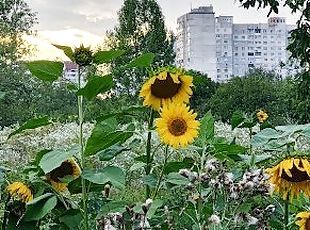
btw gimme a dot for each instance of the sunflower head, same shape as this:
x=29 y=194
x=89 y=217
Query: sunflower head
x=169 y=85
x=303 y=220
x=177 y=126
x=20 y=191
x=68 y=168
x=291 y=176
x=262 y=116
x=83 y=56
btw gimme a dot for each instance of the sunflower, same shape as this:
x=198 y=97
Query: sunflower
x=20 y=191
x=166 y=87
x=291 y=176
x=68 y=168
x=177 y=125
x=303 y=220
x=262 y=116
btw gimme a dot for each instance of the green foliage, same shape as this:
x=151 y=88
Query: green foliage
x=46 y=70
x=17 y=19
x=141 y=30
x=96 y=85
x=40 y=207
x=107 y=56
x=31 y=124
x=204 y=89
x=248 y=94
x=67 y=51
x=53 y=159
x=112 y=174
x=298 y=46
x=106 y=130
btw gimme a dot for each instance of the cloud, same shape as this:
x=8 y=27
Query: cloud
x=69 y=37
x=95 y=16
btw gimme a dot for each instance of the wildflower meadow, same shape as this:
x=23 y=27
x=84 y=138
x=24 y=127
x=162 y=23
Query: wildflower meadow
x=134 y=141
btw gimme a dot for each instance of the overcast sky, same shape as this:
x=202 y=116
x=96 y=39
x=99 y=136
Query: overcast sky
x=75 y=21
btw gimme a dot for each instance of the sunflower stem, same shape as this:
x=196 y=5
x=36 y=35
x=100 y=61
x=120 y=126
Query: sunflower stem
x=251 y=149
x=148 y=152
x=162 y=172
x=286 y=212
x=81 y=143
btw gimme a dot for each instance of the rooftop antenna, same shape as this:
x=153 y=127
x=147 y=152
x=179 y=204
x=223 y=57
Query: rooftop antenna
x=191 y=6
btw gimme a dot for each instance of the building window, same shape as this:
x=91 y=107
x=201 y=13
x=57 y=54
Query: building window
x=236 y=54
x=251 y=65
x=250 y=54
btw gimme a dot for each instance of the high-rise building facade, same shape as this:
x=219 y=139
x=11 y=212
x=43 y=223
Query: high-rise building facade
x=218 y=47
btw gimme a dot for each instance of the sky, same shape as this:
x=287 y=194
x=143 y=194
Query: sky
x=71 y=22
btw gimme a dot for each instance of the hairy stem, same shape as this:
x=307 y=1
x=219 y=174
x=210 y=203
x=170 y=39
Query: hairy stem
x=162 y=172
x=148 y=152
x=81 y=143
x=251 y=149
x=286 y=212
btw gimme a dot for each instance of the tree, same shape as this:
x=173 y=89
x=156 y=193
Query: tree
x=17 y=19
x=204 y=89
x=257 y=90
x=141 y=29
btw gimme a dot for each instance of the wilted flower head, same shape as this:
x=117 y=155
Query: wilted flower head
x=214 y=219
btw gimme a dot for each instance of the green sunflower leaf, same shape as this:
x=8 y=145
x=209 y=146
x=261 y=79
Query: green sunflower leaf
x=40 y=206
x=96 y=85
x=31 y=124
x=143 y=60
x=46 y=70
x=67 y=50
x=112 y=174
x=107 y=56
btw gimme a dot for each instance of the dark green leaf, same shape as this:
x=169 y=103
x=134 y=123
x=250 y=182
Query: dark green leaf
x=2 y=95
x=39 y=155
x=143 y=60
x=154 y=206
x=53 y=159
x=111 y=152
x=46 y=70
x=112 y=174
x=67 y=50
x=40 y=206
x=107 y=56
x=72 y=218
x=229 y=149
x=206 y=129
x=96 y=85
x=75 y=186
x=150 y=180
x=176 y=166
x=177 y=179
x=104 y=135
x=236 y=119
x=32 y=124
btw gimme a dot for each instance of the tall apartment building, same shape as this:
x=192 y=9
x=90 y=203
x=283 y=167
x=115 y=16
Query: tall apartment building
x=222 y=49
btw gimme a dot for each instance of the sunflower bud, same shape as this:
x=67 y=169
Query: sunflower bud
x=83 y=56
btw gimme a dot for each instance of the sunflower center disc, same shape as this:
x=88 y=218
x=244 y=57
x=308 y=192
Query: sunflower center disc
x=297 y=176
x=65 y=169
x=177 y=127
x=165 y=88
x=307 y=225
